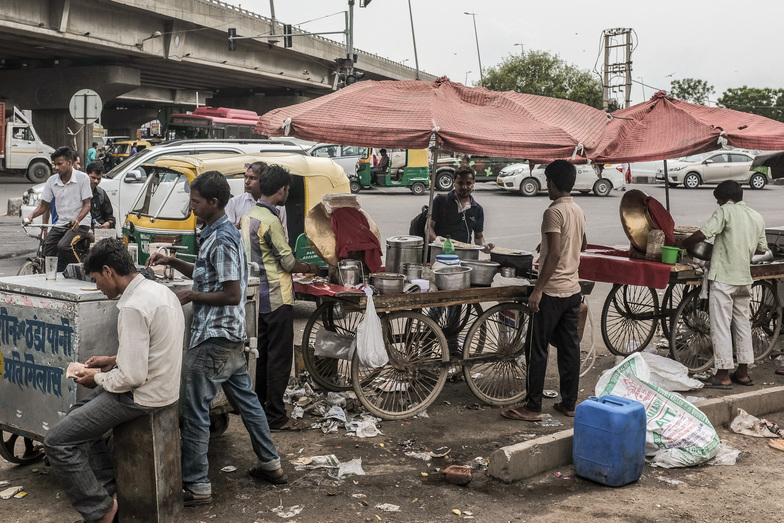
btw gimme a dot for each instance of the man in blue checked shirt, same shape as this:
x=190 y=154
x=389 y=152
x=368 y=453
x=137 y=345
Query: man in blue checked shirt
x=215 y=357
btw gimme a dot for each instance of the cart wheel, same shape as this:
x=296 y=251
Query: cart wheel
x=765 y=318
x=629 y=318
x=672 y=298
x=329 y=373
x=454 y=321
x=497 y=340
x=30 y=267
x=219 y=423
x=690 y=339
x=416 y=371
x=30 y=453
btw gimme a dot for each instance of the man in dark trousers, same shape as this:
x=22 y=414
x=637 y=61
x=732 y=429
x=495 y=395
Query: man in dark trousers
x=273 y=262
x=100 y=205
x=555 y=300
x=215 y=357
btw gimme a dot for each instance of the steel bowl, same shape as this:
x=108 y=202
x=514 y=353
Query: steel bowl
x=482 y=271
x=453 y=278
x=387 y=282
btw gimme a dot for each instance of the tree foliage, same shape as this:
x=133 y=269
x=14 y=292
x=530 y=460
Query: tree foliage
x=541 y=73
x=764 y=102
x=691 y=90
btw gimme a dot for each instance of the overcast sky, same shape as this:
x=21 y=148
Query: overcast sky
x=728 y=44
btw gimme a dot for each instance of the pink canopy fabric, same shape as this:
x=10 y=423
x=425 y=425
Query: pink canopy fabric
x=469 y=120
x=664 y=128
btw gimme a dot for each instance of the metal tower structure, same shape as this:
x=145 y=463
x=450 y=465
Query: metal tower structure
x=617 y=65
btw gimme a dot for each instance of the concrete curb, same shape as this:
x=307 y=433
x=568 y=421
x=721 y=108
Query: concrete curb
x=524 y=460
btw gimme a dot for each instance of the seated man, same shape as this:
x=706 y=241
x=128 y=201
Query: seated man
x=142 y=377
x=379 y=172
x=71 y=188
x=100 y=205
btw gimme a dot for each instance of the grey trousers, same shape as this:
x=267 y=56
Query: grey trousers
x=78 y=454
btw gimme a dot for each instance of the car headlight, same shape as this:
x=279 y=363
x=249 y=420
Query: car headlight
x=674 y=169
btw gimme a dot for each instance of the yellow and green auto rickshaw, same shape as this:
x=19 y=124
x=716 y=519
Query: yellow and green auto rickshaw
x=161 y=214
x=407 y=168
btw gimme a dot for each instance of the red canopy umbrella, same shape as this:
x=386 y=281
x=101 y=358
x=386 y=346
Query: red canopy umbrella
x=664 y=127
x=470 y=120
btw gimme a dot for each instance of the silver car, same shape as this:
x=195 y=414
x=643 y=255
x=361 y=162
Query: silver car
x=713 y=168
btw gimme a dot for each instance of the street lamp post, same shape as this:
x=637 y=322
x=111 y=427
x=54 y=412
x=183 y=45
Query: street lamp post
x=522 y=49
x=413 y=37
x=466 y=78
x=478 y=55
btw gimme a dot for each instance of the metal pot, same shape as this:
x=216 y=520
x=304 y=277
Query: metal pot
x=453 y=278
x=464 y=253
x=522 y=261
x=482 y=271
x=402 y=249
x=413 y=271
x=701 y=251
x=387 y=282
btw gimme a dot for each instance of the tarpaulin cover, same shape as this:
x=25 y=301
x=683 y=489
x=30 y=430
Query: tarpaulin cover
x=611 y=265
x=664 y=128
x=473 y=120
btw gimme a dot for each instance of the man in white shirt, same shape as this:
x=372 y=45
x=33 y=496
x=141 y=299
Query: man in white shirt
x=239 y=206
x=142 y=377
x=71 y=189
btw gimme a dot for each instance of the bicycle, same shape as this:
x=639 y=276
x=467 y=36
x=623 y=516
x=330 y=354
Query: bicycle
x=37 y=264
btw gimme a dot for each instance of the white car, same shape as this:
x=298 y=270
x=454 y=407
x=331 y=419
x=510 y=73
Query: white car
x=713 y=168
x=123 y=183
x=344 y=155
x=519 y=178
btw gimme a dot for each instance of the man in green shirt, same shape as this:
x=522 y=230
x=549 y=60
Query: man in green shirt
x=740 y=233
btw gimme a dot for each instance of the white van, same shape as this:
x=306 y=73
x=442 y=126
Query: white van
x=123 y=183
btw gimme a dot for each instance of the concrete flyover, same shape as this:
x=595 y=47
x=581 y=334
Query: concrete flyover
x=145 y=55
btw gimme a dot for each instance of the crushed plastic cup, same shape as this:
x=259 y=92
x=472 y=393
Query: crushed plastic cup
x=50 y=264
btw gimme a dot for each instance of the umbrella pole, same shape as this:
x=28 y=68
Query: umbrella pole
x=433 y=166
x=666 y=187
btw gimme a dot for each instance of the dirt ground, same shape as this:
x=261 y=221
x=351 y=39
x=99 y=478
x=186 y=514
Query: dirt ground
x=750 y=490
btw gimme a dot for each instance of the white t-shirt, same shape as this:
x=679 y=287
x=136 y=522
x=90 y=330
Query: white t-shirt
x=68 y=197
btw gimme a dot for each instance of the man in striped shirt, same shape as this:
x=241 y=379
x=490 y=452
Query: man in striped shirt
x=267 y=249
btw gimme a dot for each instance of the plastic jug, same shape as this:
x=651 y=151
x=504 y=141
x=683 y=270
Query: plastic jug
x=448 y=248
x=609 y=440
x=446 y=260
x=671 y=255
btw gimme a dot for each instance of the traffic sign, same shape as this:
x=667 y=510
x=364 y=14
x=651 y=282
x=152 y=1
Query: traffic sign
x=85 y=106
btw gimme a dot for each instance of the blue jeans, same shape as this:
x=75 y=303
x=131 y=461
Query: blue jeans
x=77 y=452
x=211 y=364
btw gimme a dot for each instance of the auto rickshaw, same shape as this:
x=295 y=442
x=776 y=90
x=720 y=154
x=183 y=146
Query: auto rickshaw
x=407 y=168
x=161 y=213
x=121 y=150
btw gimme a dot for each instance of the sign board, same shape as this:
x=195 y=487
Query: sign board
x=85 y=106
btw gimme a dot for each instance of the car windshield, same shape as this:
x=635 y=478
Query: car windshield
x=124 y=166
x=165 y=195
x=694 y=157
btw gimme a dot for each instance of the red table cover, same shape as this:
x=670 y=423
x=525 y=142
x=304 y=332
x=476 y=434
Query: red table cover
x=612 y=265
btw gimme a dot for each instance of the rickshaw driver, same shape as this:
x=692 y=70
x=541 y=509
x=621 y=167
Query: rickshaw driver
x=457 y=214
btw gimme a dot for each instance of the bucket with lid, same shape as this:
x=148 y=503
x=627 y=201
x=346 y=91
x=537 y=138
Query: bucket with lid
x=402 y=249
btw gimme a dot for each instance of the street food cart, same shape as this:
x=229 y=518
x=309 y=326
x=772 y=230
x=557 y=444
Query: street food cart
x=44 y=326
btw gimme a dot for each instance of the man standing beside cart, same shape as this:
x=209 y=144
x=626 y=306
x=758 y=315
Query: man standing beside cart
x=740 y=233
x=215 y=357
x=555 y=300
x=142 y=377
x=267 y=249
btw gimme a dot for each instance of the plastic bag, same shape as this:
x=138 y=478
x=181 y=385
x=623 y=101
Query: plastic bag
x=330 y=344
x=669 y=374
x=370 y=338
x=677 y=433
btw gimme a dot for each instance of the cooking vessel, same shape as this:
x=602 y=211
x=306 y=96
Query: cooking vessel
x=453 y=278
x=464 y=253
x=701 y=250
x=413 y=271
x=522 y=261
x=482 y=271
x=387 y=282
x=403 y=249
